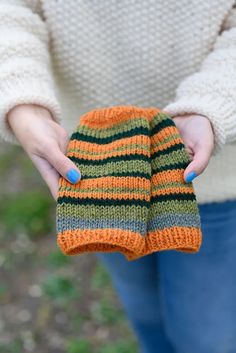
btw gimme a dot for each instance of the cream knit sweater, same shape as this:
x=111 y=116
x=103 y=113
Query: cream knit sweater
x=71 y=56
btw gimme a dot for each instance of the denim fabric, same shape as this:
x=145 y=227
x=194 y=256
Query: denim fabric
x=181 y=302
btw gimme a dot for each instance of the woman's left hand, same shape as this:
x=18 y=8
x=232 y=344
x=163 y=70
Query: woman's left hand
x=197 y=134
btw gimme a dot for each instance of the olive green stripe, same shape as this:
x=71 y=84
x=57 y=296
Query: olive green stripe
x=104 y=212
x=110 y=150
x=115 y=167
x=170 y=184
x=117 y=190
x=184 y=207
x=172 y=158
x=107 y=132
x=127 y=212
x=168 y=150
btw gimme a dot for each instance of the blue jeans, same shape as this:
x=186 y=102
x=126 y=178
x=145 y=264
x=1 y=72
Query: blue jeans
x=184 y=303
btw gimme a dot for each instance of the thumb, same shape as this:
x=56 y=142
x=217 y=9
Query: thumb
x=63 y=164
x=201 y=158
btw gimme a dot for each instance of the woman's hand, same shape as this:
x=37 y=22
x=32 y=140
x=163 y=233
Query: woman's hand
x=45 y=142
x=197 y=134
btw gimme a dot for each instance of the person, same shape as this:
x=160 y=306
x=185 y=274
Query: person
x=59 y=59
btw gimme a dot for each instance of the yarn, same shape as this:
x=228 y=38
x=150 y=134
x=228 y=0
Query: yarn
x=132 y=197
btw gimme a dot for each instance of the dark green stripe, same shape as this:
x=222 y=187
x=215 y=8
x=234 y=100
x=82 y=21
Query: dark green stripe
x=120 y=174
x=169 y=167
x=177 y=147
x=174 y=197
x=130 y=157
x=102 y=202
x=112 y=149
x=161 y=125
x=117 y=136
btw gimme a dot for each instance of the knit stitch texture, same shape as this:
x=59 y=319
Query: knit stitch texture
x=74 y=56
x=132 y=197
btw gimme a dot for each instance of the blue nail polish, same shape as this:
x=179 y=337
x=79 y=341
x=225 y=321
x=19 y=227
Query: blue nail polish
x=73 y=176
x=190 y=176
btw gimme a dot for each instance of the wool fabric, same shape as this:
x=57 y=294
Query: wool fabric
x=132 y=197
x=174 y=220
x=74 y=56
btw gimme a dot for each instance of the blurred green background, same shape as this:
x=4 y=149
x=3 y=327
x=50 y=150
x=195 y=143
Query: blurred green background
x=49 y=303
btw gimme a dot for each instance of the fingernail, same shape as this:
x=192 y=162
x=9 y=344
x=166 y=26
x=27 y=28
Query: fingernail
x=190 y=176
x=73 y=176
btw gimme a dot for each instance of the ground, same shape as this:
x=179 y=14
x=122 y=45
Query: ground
x=49 y=303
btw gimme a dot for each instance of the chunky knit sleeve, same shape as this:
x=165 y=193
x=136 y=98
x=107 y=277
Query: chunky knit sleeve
x=25 y=68
x=212 y=90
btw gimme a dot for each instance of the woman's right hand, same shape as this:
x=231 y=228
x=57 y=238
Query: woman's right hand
x=45 y=141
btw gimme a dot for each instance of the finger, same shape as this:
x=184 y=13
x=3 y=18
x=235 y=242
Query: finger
x=190 y=152
x=61 y=163
x=63 y=141
x=201 y=158
x=48 y=173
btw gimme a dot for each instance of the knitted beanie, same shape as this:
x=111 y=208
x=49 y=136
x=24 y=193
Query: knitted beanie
x=174 y=220
x=108 y=209
x=125 y=201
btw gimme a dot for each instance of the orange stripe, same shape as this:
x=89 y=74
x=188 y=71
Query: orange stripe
x=73 y=242
x=94 y=147
x=164 y=133
x=171 y=190
x=130 y=182
x=186 y=239
x=166 y=145
x=109 y=116
x=105 y=195
x=168 y=176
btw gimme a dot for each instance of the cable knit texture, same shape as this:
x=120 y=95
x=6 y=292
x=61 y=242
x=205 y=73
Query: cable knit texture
x=74 y=56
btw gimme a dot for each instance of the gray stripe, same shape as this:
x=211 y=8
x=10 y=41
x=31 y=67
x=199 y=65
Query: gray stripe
x=70 y=223
x=171 y=220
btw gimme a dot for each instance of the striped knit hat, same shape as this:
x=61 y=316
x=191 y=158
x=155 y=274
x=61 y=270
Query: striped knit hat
x=174 y=220
x=132 y=197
